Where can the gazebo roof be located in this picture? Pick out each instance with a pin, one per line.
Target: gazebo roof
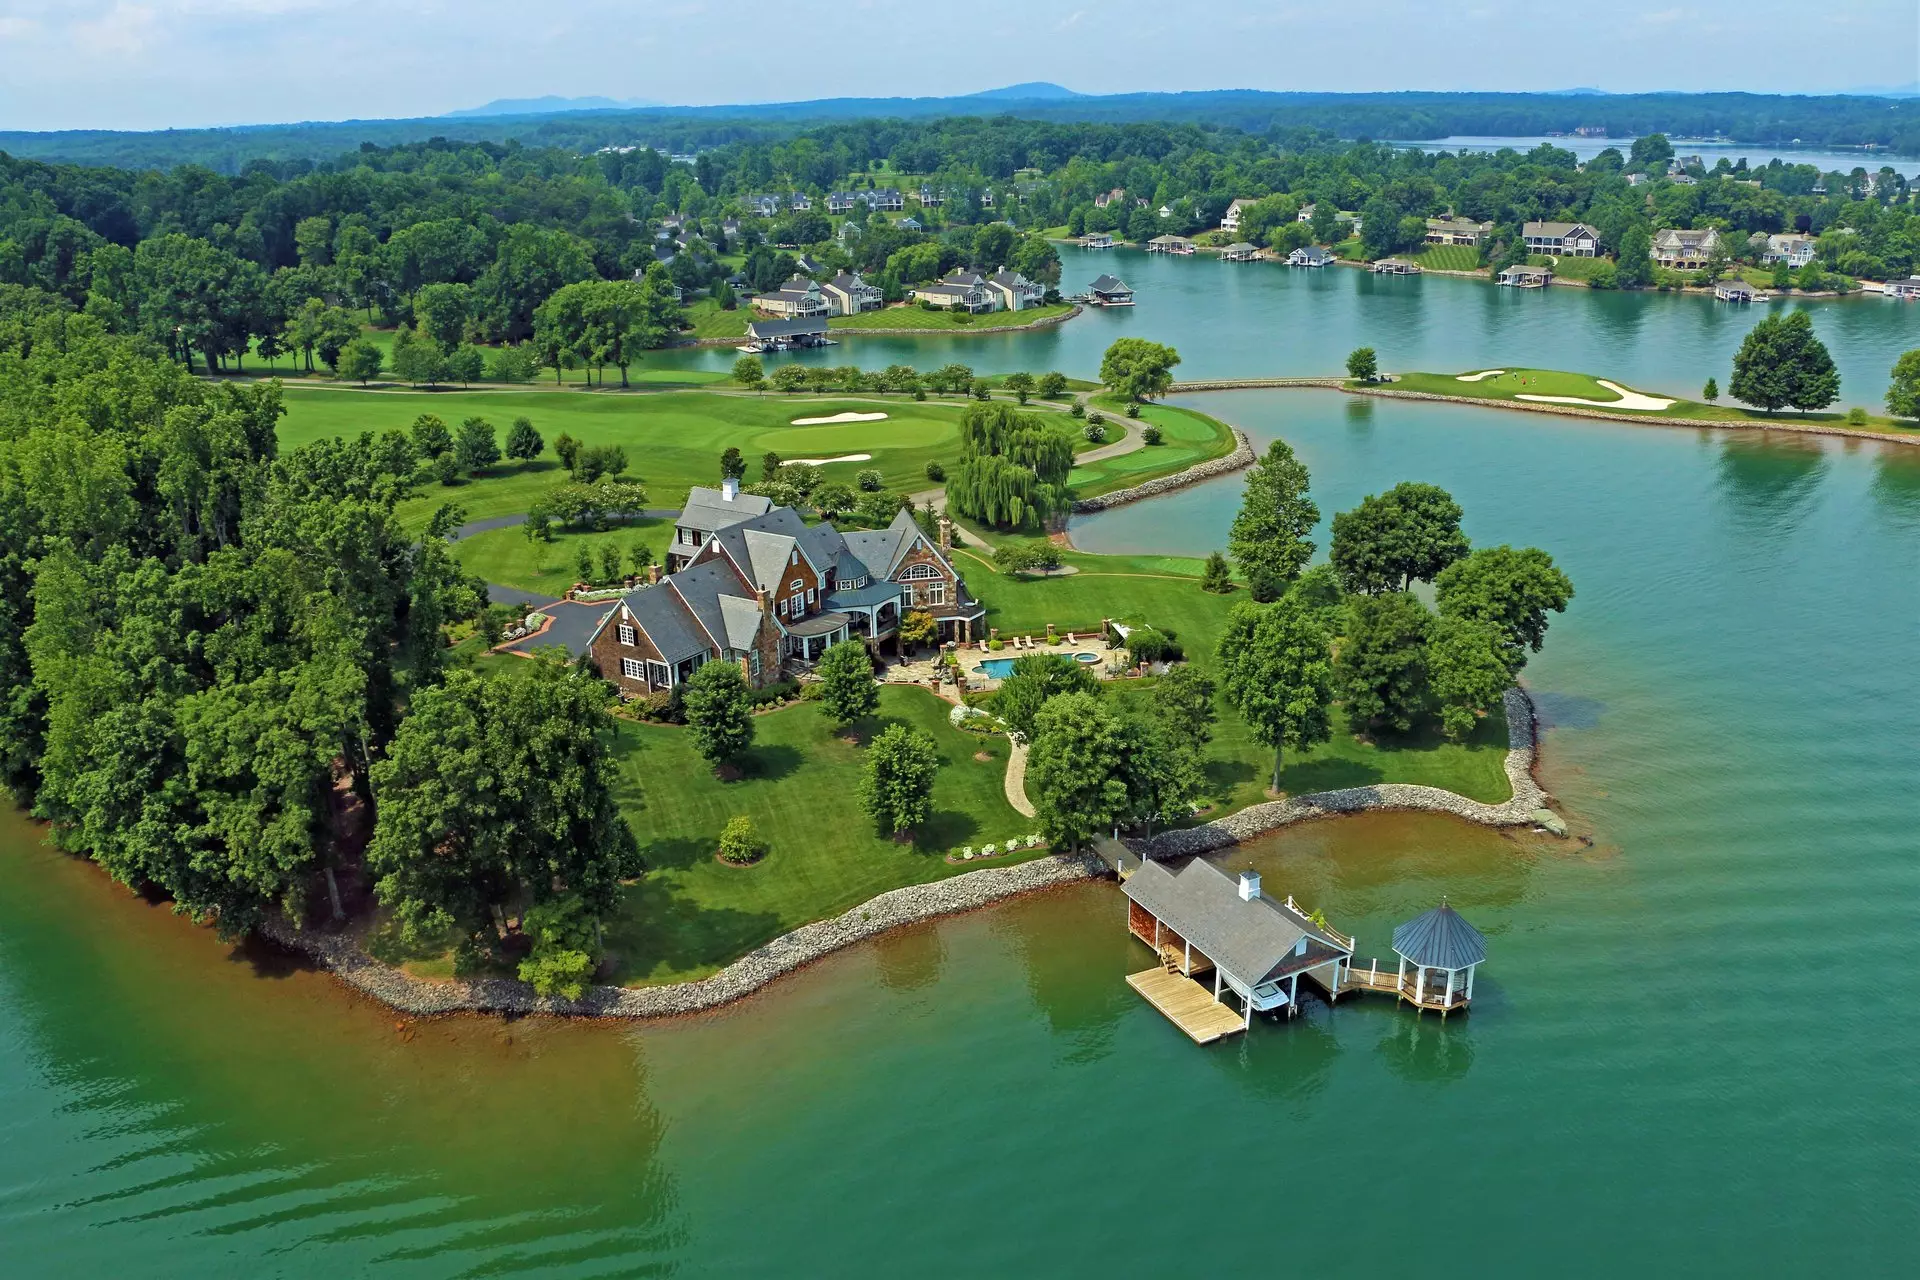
(1440, 939)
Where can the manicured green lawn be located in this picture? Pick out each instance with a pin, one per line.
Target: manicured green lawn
(1568, 268)
(915, 317)
(1552, 382)
(691, 915)
(1138, 589)
(673, 439)
(506, 557)
(1188, 436)
(711, 321)
(1449, 257)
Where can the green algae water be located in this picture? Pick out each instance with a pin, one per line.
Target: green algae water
(1691, 1052)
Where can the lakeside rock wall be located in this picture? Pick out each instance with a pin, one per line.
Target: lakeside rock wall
(741, 978)
(1242, 457)
(1527, 802)
(957, 331)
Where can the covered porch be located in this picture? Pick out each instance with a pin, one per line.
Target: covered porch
(810, 637)
(873, 611)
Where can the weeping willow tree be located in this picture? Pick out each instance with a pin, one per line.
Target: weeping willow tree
(1013, 468)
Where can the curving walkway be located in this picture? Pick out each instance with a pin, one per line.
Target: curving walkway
(1017, 779)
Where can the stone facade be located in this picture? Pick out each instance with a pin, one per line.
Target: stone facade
(608, 649)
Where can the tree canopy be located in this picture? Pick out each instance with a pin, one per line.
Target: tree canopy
(1277, 671)
(1269, 536)
(1138, 369)
(1781, 364)
(1392, 540)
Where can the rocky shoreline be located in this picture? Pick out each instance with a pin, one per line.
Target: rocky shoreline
(958, 331)
(1527, 806)
(1242, 457)
(743, 977)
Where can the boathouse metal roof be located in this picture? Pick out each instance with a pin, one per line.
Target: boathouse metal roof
(1254, 939)
(1110, 284)
(1440, 939)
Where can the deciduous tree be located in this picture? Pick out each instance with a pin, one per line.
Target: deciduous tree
(1393, 539)
(1138, 369)
(1269, 536)
(847, 690)
(1510, 590)
(1276, 671)
(1382, 664)
(719, 713)
(1781, 364)
(896, 788)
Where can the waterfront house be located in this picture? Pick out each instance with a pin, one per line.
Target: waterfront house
(885, 199)
(1239, 251)
(1395, 267)
(1170, 244)
(1230, 220)
(1110, 197)
(1794, 248)
(958, 290)
(798, 297)
(986, 199)
(1561, 239)
(1111, 291)
(840, 202)
(771, 593)
(730, 228)
(1734, 290)
(1684, 250)
(1015, 292)
(783, 335)
(1310, 256)
(908, 224)
(848, 295)
(931, 197)
(799, 202)
(1096, 240)
(1455, 230)
(1526, 277)
(1203, 923)
(767, 206)
(1444, 951)
(1906, 290)
(1306, 213)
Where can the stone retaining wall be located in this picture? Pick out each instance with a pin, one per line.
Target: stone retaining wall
(741, 978)
(1242, 457)
(958, 330)
(1242, 384)
(1528, 799)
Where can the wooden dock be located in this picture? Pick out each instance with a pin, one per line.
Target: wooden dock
(1188, 1005)
(1390, 983)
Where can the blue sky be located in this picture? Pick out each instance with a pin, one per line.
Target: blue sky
(145, 64)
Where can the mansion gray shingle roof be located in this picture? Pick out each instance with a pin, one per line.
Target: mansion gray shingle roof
(708, 509)
(1110, 284)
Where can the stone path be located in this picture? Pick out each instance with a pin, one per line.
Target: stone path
(1017, 780)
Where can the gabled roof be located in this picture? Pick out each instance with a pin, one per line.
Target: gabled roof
(762, 547)
(786, 328)
(1110, 284)
(709, 509)
(1256, 940)
(1556, 230)
(1440, 939)
(671, 626)
(881, 550)
(711, 592)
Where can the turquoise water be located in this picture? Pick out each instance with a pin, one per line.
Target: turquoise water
(1265, 320)
(1691, 1051)
(1001, 668)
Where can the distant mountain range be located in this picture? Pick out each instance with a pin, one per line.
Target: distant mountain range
(550, 105)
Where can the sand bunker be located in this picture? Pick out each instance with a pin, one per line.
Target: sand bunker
(839, 417)
(821, 462)
(1628, 399)
(1475, 377)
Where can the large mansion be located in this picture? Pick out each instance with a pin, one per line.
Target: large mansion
(756, 585)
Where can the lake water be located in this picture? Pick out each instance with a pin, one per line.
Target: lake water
(1756, 155)
(1260, 319)
(1691, 1051)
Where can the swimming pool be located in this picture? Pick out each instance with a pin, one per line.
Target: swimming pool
(1001, 668)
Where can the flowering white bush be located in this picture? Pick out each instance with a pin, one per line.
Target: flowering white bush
(987, 851)
(1034, 841)
(967, 852)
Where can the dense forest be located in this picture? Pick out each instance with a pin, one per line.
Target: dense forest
(1829, 121)
(559, 258)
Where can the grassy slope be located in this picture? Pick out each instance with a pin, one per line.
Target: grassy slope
(913, 317)
(506, 556)
(1449, 257)
(673, 439)
(1165, 592)
(691, 915)
(1553, 382)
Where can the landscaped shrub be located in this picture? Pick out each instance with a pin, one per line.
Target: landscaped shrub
(1133, 408)
(740, 843)
(936, 472)
(1079, 410)
(869, 480)
(1857, 416)
(1146, 644)
(1150, 435)
(782, 691)
(1096, 432)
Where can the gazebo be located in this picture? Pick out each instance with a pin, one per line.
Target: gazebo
(1444, 950)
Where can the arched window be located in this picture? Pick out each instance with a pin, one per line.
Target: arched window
(919, 573)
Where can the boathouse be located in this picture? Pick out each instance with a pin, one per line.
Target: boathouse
(1310, 256)
(1110, 291)
(1526, 277)
(1096, 240)
(1396, 267)
(1216, 936)
(1239, 251)
(1734, 291)
(781, 335)
(1906, 290)
(1170, 244)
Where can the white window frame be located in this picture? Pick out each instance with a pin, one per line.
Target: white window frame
(628, 636)
(633, 669)
(659, 673)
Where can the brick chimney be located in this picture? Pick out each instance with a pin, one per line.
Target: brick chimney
(946, 533)
(653, 574)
